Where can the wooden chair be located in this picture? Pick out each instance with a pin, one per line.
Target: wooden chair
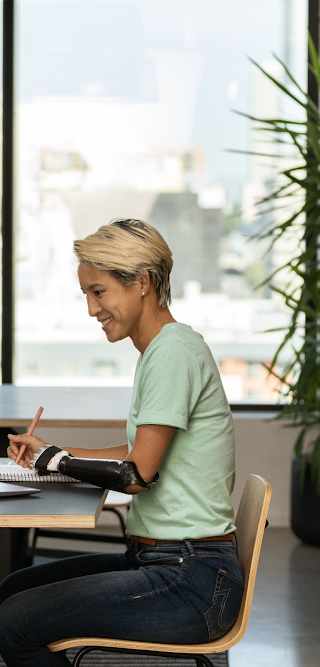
(250, 522)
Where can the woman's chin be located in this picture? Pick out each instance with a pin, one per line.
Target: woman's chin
(112, 336)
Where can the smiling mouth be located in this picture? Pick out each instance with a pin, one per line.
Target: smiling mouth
(104, 322)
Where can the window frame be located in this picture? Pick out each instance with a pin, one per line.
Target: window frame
(8, 194)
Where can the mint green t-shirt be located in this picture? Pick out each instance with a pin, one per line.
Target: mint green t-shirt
(178, 384)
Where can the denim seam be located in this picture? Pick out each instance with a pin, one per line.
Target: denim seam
(226, 595)
(159, 590)
(219, 592)
(221, 556)
(158, 561)
(174, 558)
(215, 594)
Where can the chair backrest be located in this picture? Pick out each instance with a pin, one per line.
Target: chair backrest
(250, 522)
(117, 499)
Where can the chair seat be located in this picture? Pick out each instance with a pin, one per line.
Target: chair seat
(217, 646)
(250, 522)
(117, 499)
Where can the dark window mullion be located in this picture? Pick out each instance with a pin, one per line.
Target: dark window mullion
(8, 268)
(313, 26)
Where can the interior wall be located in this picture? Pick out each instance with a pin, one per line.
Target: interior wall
(263, 446)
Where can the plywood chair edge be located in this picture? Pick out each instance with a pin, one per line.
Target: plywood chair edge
(245, 614)
(216, 646)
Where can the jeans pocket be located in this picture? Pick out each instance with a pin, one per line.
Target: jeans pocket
(226, 601)
(147, 557)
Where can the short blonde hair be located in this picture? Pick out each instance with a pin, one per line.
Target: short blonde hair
(125, 248)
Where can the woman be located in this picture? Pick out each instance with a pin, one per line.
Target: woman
(180, 580)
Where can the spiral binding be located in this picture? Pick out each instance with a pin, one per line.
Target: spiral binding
(34, 477)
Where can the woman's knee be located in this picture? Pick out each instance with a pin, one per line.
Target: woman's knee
(12, 584)
(10, 620)
(19, 581)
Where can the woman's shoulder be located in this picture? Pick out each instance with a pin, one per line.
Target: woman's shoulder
(176, 342)
(177, 331)
(181, 335)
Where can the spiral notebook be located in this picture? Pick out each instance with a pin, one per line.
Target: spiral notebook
(12, 472)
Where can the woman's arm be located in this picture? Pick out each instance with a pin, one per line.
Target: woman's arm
(33, 445)
(149, 448)
(118, 453)
(150, 445)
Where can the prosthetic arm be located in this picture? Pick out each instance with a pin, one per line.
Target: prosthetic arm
(109, 474)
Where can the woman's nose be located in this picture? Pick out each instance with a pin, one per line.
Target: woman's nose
(93, 307)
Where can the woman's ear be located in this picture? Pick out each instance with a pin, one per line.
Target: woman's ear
(144, 282)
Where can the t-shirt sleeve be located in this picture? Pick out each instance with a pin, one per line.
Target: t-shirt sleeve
(170, 385)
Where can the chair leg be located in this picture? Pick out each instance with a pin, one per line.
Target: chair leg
(83, 651)
(21, 548)
(121, 519)
(203, 661)
(35, 536)
(32, 550)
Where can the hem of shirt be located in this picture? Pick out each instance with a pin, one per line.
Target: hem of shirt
(162, 419)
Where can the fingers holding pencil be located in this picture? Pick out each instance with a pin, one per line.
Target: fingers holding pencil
(30, 443)
(30, 431)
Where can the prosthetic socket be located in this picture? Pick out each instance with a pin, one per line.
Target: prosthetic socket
(109, 474)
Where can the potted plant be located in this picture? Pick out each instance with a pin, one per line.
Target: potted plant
(296, 201)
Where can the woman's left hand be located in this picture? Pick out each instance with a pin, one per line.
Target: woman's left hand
(32, 446)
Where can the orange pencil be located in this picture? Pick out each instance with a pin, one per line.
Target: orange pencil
(30, 431)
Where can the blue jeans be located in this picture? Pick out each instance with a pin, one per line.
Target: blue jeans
(176, 592)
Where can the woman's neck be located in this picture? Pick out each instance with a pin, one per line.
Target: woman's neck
(150, 326)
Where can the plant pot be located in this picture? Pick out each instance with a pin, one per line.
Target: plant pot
(305, 506)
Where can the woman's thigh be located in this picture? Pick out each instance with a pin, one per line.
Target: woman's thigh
(60, 570)
(168, 594)
(92, 604)
(127, 604)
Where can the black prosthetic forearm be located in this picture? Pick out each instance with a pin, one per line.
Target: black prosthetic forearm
(114, 475)
(109, 474)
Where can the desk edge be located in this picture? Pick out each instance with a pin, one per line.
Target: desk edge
(67, 423)
(47, 520)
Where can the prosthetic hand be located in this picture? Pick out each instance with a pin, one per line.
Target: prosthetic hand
(109, 474)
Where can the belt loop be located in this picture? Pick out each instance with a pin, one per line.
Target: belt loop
(136, 544)
(189, 547)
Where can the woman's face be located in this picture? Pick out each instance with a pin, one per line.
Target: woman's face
(118, 307)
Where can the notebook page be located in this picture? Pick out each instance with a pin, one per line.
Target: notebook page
(11, 471)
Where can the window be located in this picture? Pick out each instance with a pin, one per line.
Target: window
(123, 109)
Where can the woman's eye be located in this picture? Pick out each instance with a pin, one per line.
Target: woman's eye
(98, 292)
